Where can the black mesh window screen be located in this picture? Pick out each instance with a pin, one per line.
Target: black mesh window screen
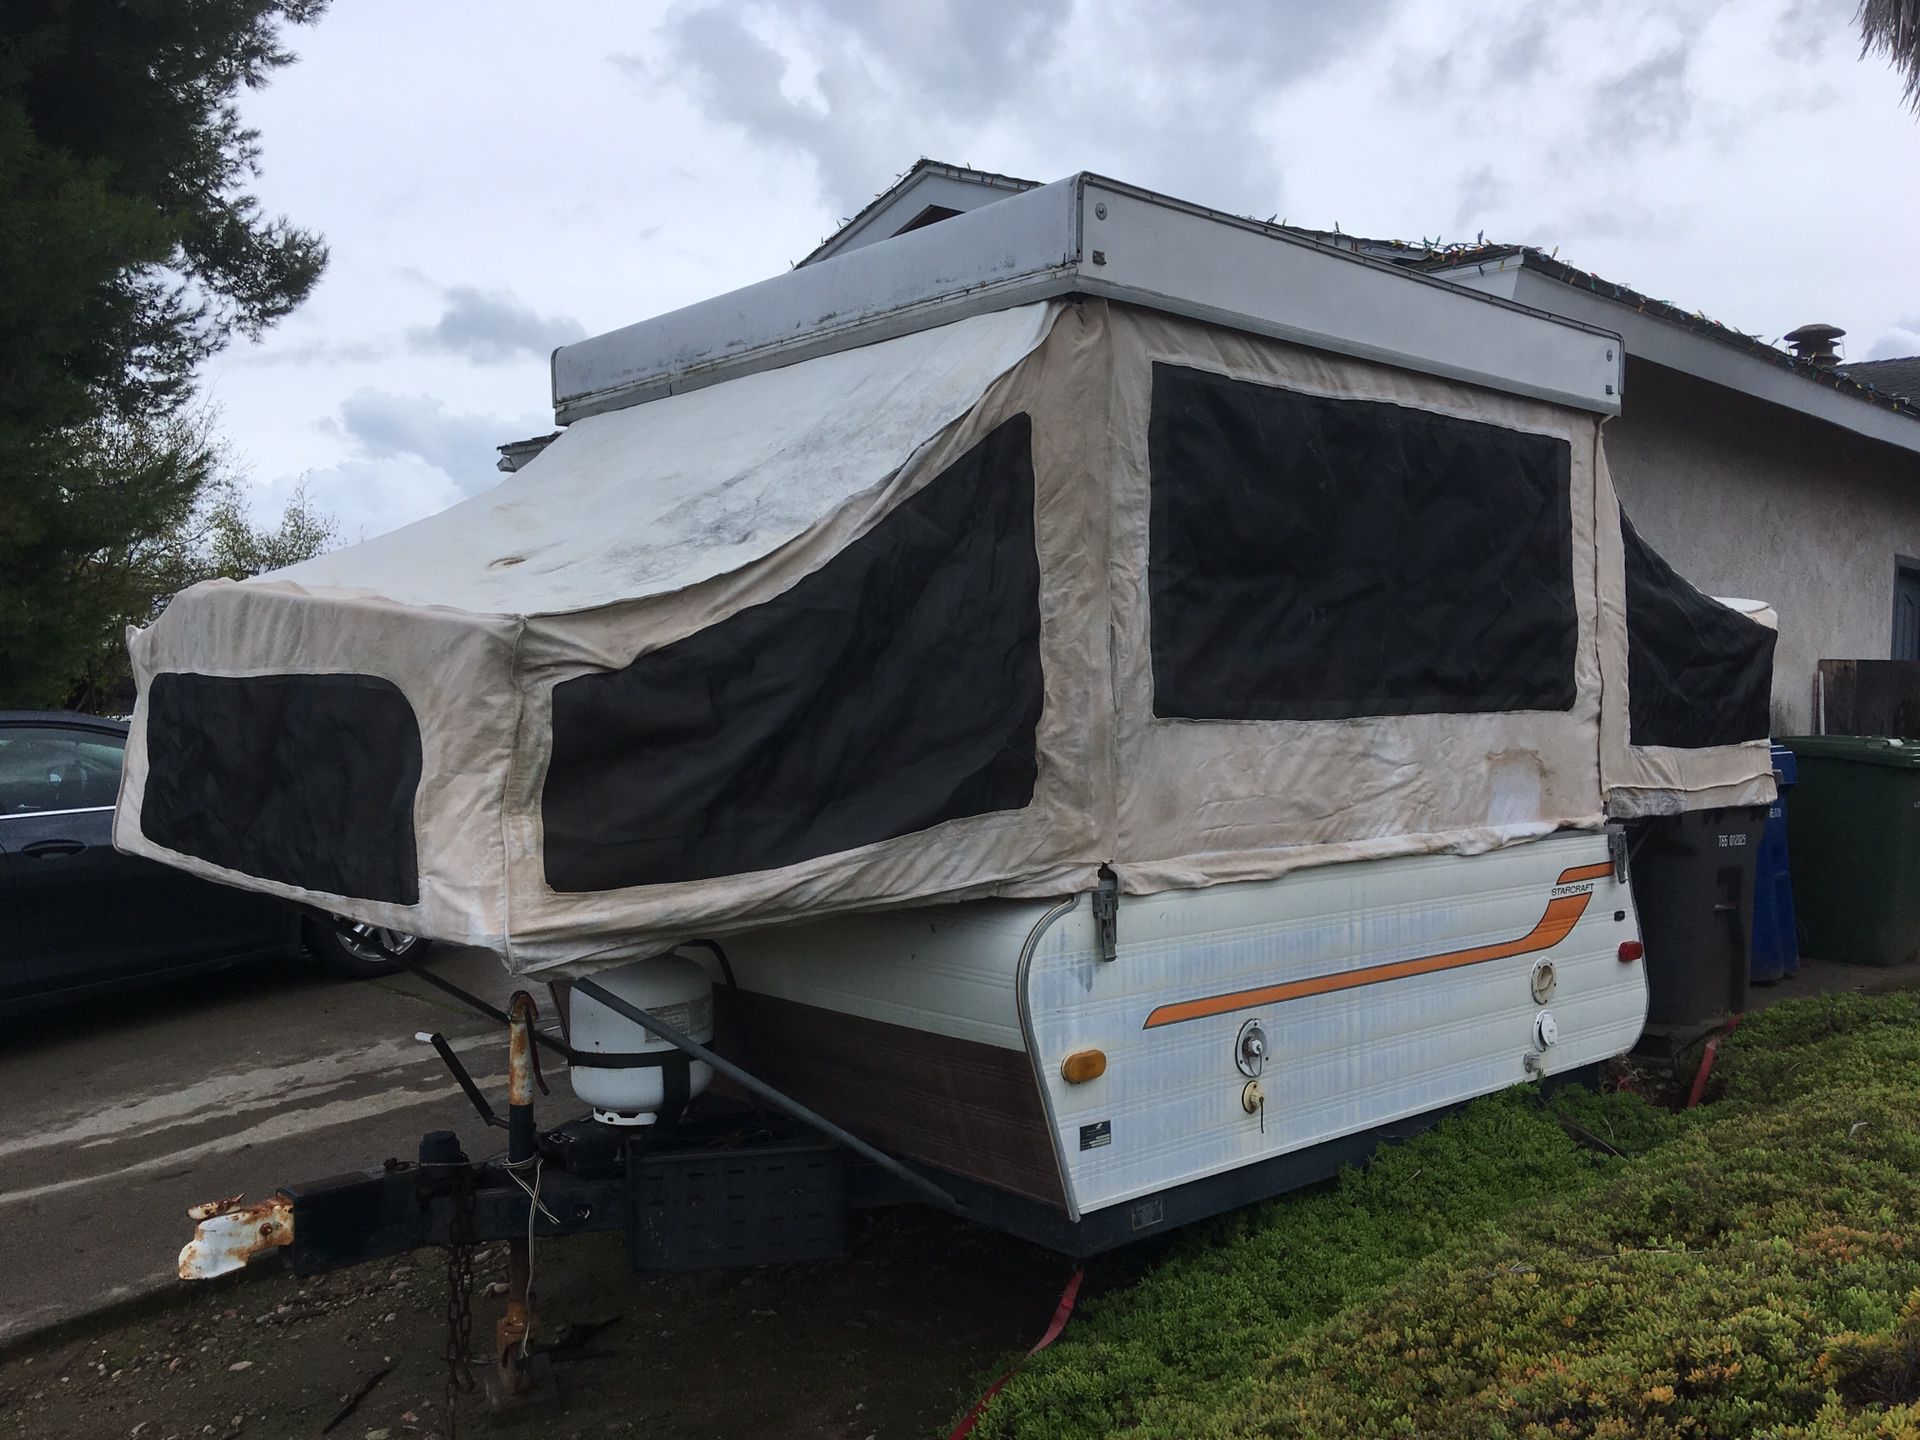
(1698, 673)
(1319, 559)
(895, 688)
(304, 779)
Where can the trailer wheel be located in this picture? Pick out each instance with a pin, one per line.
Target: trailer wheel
(353, 949)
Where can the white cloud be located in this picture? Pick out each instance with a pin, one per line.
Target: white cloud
(365, 497)
(491, 183)
(1159, 93)
(1897, 341)
(407, 457)
(491, 325)
(383, 426)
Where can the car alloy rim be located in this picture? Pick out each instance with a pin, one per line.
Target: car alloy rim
(372, 943)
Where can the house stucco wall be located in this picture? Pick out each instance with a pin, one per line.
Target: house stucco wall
(1745, 498)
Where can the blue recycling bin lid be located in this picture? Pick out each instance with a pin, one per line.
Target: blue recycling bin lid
(1786, 769)
(1775, 948)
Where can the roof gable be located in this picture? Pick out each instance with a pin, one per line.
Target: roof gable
(928, 193)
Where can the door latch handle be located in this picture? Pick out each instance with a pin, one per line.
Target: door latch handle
(1106, 914)
(41, 849)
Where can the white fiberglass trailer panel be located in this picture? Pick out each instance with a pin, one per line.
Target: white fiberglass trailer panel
(1383, 990)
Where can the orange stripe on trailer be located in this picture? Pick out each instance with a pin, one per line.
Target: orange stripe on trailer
(1562, 914)
(1598, 871)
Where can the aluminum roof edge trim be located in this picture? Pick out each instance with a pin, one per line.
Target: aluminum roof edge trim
(1174, 256)
(1009, 241)
(1098, 236)
(1291, 235)
(1336, 345)
(1653, 339)
(1051, 284)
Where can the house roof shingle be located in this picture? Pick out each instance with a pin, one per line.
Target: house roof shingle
(1893, 377)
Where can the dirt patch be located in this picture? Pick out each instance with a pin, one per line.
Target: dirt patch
(895, 1340)
(1828, 977)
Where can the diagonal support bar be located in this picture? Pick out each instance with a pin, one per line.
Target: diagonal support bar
(759, 1088)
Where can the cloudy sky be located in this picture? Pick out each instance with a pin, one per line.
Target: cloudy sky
(497, 178)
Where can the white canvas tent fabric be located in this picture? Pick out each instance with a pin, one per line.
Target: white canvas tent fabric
(1296, 792)
(468, 728)
(1646, 780)
(661, 497)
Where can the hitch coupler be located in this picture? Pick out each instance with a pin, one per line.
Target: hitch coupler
(227, 1234)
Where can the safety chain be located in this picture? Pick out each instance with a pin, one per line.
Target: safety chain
(460, 1248)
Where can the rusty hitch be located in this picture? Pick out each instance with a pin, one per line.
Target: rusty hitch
(228, 1234)
(670, 1189)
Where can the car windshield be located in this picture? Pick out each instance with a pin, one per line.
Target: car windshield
(50, 767)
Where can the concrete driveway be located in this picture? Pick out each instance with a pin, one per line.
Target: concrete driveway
(119, 1116)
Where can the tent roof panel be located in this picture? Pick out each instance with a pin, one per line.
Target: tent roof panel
(657, 497)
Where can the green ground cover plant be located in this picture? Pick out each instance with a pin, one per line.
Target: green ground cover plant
(1745, 1269)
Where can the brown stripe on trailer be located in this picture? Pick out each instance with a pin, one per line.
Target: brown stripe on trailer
(965, 1107)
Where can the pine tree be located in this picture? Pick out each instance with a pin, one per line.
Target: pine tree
(131, 250)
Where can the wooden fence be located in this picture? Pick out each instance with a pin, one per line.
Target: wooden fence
(1868, 697)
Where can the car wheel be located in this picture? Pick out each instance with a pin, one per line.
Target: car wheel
(359, 950)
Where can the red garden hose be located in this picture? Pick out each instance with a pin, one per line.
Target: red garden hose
(1060, 1314)
(1706, 1063)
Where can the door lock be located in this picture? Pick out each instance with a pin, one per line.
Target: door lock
(1250, 1049)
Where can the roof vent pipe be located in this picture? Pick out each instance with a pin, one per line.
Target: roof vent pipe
(1815, 343)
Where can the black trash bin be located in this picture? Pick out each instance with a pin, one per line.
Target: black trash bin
(1692, 879)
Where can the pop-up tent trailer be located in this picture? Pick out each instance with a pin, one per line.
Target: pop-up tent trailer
(1139, 696)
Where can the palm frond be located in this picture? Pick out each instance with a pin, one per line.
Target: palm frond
(1892, 28)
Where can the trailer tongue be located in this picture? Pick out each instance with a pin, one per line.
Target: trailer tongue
(727, 1187)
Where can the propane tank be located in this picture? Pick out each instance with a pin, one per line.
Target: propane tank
(670, 986)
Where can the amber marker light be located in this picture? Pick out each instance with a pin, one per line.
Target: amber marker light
(1083, 1065)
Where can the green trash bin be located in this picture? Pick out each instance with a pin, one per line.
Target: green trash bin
(1853, 836)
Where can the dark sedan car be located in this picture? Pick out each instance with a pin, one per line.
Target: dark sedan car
(77, 916)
